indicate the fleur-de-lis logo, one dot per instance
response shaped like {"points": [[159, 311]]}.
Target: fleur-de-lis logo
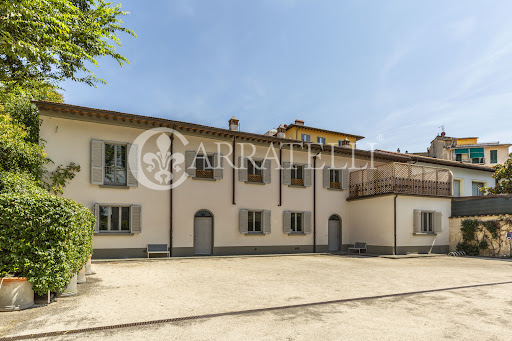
{"points": [[161, 160]]}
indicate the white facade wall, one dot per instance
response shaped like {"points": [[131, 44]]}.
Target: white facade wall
{"points": [[467, 177]]}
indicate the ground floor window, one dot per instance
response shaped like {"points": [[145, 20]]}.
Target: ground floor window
{"points": [[476, 188], [427, 222], [296, 222], [114, 218], [254, 221]]}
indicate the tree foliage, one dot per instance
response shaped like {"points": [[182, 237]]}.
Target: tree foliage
{"points": [[503, 176], [53, 40], [18, 154]]}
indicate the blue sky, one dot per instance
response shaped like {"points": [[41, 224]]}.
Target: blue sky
{"points": [[400, 69]]}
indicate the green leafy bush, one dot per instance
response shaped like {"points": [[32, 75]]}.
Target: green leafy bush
{"points": [[44, 238], [21, 183]]}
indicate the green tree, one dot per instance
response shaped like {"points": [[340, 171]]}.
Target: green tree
{"points": [[52, 40], [503, 176]]}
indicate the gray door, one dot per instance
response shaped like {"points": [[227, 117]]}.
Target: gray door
{"points": [[203, 235], [334, 235]]}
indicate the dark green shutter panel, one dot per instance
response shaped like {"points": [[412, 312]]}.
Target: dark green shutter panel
{"points": [[476, 152], [462, 151]]}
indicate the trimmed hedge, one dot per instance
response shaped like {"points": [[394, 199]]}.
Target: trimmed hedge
{"points": [[44, 238]]}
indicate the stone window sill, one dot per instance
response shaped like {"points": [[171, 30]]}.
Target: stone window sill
{"points": [[113, 233], [425, 233], [115, 186]]}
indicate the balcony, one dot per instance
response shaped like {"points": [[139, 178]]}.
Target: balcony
{"points": [[401, 178], [204, 174], [255, 178]]}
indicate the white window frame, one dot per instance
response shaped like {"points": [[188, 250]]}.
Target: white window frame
{"points": [[253, 223], [483, 183], [109, 218], [305, 138], [431, 221], [293, 221], [112, 143]]}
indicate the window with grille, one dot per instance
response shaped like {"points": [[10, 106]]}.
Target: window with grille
{"points": [[297, 175], [255, 171], [204, 166]]}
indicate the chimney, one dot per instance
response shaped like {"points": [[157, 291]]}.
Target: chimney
{"points": [[345, 143], [299, 122], [233, 124], [281, 132]]}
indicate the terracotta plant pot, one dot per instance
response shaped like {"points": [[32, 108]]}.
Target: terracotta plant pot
{"points": [[71, 289], [15, 293], [88, 266]]}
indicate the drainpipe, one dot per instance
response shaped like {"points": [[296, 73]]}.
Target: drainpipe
{"points": [[234, 166], [280, 175], [314, 202], [394, 227], [171, 196]]}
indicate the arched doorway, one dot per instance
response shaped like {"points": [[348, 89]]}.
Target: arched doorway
{"points": [[334, 233], [203, 233]]}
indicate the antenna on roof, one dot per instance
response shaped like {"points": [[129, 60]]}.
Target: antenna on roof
{"points": [[442, 128]]}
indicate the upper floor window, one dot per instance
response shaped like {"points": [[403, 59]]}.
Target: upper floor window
{"points": [[109, 163], [321, 140], [297, 175], [115, 164], [335, 177], [255, 171], [494, 156], [306, 138], [204, 166], [475, 188]]}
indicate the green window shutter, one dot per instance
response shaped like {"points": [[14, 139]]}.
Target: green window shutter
{"points": [[244, 221], [308, 171], [327, 177], [438, 222], [462, 151], [97, 215], [266, 221], [476, 152], [306, 222], [287, 174], [417, 221], [287, 221], [242, 169], [190, 167], [218, 171], [131, 179], [267, 171], [345, 179], [97, 162], [135, 219], [494, 156]]}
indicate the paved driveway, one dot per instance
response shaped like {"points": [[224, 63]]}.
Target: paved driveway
{"points": [[141, 291]]}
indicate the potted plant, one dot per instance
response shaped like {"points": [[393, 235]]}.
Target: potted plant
{"points": [[15, 293], [88, 266]]}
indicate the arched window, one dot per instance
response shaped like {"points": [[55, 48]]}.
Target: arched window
{"points": [[203, 213], [334, 217]]}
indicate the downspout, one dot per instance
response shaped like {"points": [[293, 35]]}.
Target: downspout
{"points": [[280, 175], [394, 227], [233, 161], [314, 203], [171, 196]]}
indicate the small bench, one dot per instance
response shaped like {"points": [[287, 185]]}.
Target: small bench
{"points": [[158, 248], [358, 248]]}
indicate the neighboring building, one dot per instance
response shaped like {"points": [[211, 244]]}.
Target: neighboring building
{"points": [[468, 150], [298, 131], [395, 207]]}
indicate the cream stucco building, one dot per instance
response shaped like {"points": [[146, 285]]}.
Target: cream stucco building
{"points": [[210, 191]]}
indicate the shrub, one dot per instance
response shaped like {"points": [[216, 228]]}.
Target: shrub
{"points": [[44, 238], [21, 183]]}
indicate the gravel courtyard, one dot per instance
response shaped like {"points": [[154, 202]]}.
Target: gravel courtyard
{"points": [[141, 291]]}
